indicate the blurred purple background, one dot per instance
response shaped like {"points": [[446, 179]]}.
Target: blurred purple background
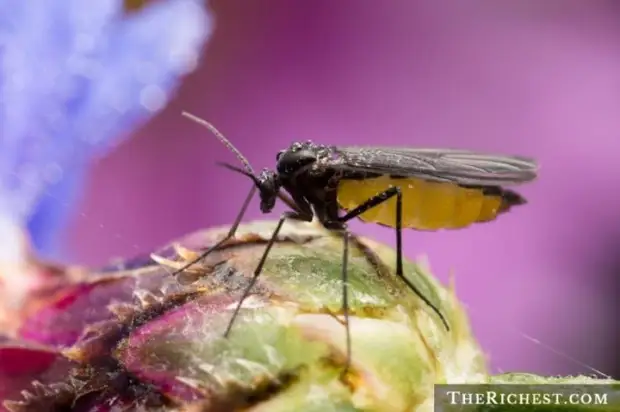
{"points": [[523, 77]]}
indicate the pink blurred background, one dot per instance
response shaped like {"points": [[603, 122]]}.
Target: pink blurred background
{"points": [[522, 77]]}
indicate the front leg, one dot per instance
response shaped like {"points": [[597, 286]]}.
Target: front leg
{"points": [[261, 263], [230, 235]]}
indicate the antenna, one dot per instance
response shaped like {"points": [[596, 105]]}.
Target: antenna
{"points": [[222, 139]]}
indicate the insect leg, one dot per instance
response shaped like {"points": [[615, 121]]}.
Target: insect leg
{"points": [[375, 201], [229, 235], [345, 296], [261, 263]]}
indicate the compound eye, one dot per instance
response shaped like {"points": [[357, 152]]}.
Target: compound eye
{"points": [[279, 155]]}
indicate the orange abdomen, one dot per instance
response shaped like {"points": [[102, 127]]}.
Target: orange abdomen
{"points": [[426, 205]]}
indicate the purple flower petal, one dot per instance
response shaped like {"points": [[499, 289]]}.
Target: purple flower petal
{"points": [[62, 319], [20, 365], [178, 328], [76, 77]]}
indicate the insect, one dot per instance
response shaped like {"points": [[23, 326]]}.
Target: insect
{"points": [[420, 189]]}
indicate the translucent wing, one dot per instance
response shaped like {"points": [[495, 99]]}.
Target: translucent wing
{"points": [[457, 166]]}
